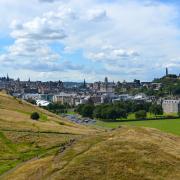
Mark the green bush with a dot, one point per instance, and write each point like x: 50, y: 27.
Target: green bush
x: 35, y: 116
x: 156, y: 109
x: 140, y: 114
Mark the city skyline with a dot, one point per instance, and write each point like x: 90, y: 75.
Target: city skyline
x: 74, y: 40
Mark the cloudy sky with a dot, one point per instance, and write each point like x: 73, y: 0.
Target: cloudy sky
x: 76, y: 39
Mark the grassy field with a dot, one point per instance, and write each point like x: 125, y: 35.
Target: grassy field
x: 131, y: 116
x: 170, y: 126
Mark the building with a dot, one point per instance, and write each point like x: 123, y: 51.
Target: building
x: 104, y: 87
x: 171, y: 106
x: 123, y: 97
x: 42, y: 103
x: 64, y: 98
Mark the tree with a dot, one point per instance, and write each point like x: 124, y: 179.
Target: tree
x: 97, y: 113
x: 35, y: 116
x: 109, y: 113
x: 178, y: 113
x: 140, y: 114
x: 79, y: 108
x: 156, y: 109
x: 87, y: 110
x: 121, y: 113
x: 57, y: 108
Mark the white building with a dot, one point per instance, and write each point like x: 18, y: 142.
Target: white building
x: 42, y: 103
x: 171, y: 106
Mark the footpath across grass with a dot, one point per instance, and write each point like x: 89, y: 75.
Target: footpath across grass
x: 167, y: 125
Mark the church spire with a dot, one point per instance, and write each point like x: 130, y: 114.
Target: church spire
x: 167, y: 73
x: 7, y: 77
x: 84, y: 84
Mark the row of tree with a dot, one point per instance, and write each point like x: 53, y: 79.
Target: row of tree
x: 119, y: 110
x: 57, y: 108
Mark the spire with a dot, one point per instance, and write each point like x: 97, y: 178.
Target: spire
x: 167, y: 72
x: 7, y: 77
x: 106, y: 80
x: 84, y: 84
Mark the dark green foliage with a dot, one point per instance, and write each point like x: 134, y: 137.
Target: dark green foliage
x: 112, y: 111
x: 140, y: 114
x: 97, y: 113
x: 57, y: 108
x: 87, y: 110
x: 170, y: 85
x: 156, y: 109
x: 35, y: 116
x: 32, y: 101
x: 178, y: 113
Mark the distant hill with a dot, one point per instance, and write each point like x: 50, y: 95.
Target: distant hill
x: 170, y: 84
x: 53, y: 148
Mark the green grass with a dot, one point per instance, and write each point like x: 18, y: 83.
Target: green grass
x: 170, y: 126
x: 71, y: 113
x: 131, y: 116
x: 26, y: 146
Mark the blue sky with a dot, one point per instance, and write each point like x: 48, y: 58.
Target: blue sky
x: 74, y: 39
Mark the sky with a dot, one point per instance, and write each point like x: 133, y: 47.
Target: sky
x: 73, y: 40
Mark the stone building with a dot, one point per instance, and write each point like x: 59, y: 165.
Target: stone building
x: 171, y: 106
x: 64, y: 98
x: 104, y: 87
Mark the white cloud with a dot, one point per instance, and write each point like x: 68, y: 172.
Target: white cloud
x: 110, y: 53
x: 120, y: 35
x: 97, y: 15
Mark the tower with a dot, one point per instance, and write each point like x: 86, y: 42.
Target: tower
x: 7, y: 77
x: 84, y: 84
x: 167, y: 72
x: 106, y: 80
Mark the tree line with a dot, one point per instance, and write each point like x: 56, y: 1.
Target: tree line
x: 119, y: 110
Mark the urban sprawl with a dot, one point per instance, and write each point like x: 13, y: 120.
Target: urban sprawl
x: 74, y: 94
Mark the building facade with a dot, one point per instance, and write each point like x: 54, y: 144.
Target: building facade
x: 171, y: 106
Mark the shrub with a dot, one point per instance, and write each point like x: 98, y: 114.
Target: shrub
x: 140, y: 114
x: 35, y: 116
x: 87, y: 110
x: 156, y: 109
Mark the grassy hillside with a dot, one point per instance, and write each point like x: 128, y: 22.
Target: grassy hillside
x: 127, y: 153
x: 53, y: 148
x: 22, y: 139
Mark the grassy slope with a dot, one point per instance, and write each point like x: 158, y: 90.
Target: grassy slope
x: 22, y: 139
x: 170, y: 125
x: 56, y: 149
x: 127, y: 153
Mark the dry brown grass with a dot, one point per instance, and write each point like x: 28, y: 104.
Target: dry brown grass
x: 22, y: 139
x: 127, y: 153
x: 41, y: 149
x: 15, y: 115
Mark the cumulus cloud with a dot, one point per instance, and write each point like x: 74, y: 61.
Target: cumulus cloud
x: 113, y: 36
x: 111, y: 53
x: 31, y: 49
